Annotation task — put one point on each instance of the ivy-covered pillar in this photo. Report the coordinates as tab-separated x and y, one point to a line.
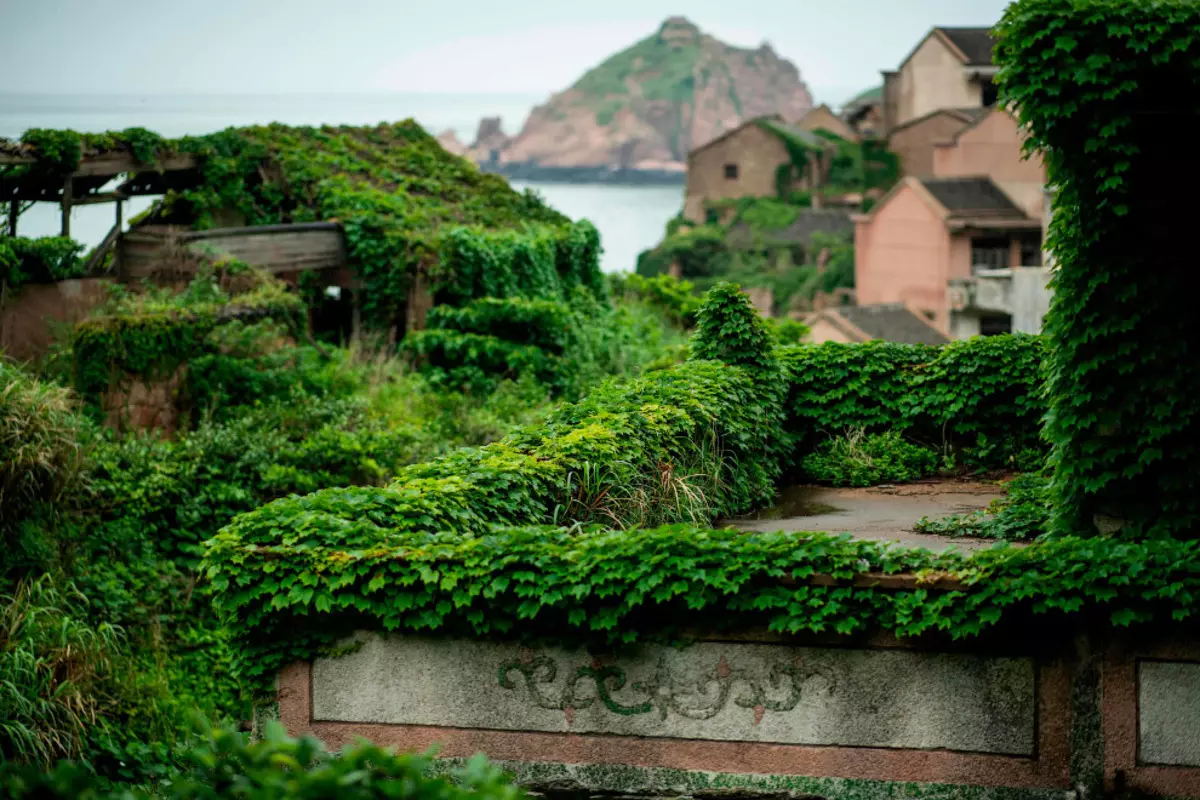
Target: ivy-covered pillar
1110	93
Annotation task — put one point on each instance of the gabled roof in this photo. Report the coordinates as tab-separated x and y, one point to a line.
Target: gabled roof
972	197
976	44
968	117
972	46
892	322
772	118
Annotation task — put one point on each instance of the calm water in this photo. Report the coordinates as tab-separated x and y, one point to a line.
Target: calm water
630	219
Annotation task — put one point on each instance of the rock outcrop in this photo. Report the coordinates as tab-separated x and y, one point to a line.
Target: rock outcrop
647	106
448	139
490	141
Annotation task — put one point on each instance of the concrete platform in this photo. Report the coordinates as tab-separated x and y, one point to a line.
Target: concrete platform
884	513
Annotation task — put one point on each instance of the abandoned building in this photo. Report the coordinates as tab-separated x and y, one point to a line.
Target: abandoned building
949	68
890	322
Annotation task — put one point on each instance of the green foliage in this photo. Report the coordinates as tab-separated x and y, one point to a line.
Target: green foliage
151	335
407	208
861	459
224	764
729	329
60	151
675	298
981	399
1022	514
44	260
51	662
1090	80
625	586
39	444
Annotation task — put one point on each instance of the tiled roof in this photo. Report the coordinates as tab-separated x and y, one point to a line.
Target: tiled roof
976	44
808	222
972	197
892	322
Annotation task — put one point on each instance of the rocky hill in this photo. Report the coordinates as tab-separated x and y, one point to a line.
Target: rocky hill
644	108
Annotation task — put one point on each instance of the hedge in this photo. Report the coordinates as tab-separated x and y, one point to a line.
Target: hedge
982	398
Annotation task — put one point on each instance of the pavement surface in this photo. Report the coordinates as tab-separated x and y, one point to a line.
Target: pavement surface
884	513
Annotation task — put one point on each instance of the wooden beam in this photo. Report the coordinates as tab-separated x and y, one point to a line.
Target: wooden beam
66	207
97	257
99	197
14	211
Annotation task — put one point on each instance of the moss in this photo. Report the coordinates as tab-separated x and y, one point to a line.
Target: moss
620	779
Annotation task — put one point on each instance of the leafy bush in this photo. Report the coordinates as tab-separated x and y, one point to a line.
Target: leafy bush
223	764
1022	514
861	459
729	329
670	295
981	399
50	258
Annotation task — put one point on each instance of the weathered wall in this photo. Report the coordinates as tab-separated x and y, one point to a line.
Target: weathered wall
850	719
993	148
915	142
933	78
29	314
757	154
903	255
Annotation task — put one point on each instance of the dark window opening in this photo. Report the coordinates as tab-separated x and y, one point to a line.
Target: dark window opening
731	172
929	315
989	94
1031	251
989	253
332	315
993	326
711	216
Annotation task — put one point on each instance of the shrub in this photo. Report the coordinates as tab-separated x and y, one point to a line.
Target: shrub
861	459
224	764
44	260
1022	514
981	399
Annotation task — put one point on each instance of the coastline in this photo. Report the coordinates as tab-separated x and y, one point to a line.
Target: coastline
600	174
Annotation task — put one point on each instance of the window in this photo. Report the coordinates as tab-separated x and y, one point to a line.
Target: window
1031	251
711	216
989	94
992	326
731	172
989	253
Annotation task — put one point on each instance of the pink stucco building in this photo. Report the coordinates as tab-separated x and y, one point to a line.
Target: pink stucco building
980	211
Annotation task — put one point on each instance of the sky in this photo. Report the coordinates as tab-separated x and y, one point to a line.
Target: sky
439	46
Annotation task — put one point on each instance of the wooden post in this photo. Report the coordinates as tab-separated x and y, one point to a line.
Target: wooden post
120	213
355	314
66	207
14	211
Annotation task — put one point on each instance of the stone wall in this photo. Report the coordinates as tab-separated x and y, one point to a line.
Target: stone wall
29	314
762	715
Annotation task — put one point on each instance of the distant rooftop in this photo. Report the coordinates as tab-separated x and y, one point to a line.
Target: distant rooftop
892	322
976	43
972	197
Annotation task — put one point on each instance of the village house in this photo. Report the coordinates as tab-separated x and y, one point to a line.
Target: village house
950	68
746	162
823	118
864	114
914	141
891	322
929	231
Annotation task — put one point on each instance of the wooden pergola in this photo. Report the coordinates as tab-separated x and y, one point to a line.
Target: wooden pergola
42	183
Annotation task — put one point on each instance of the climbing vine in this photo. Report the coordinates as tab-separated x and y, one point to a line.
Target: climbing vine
1095	83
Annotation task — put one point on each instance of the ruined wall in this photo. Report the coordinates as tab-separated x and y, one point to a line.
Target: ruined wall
29	314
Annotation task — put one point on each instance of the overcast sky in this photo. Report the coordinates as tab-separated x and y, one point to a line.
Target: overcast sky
468	46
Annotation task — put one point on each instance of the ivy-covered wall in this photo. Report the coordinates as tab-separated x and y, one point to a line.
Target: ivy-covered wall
1109	91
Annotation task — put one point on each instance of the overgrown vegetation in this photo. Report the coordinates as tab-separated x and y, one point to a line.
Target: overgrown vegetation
222	764
43	260
1090	80
861	459
1023	513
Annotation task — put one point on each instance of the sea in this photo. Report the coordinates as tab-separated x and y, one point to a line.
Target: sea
630	218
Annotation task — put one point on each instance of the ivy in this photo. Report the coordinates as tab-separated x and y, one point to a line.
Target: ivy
982	399
1089	80
43	260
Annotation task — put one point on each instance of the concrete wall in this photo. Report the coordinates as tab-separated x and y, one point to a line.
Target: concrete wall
933	78
915	142
904	255
29	314
757	155
1030	298
993	148
1029	717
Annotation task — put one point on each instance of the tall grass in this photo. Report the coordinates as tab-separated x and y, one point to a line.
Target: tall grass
52	670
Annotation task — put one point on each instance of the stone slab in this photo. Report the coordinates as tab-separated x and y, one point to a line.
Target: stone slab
709	690
1169	713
